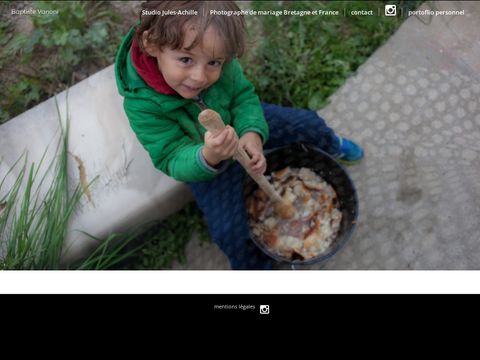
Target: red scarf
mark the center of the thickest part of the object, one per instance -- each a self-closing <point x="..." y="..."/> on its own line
<point x="147" y="68"/>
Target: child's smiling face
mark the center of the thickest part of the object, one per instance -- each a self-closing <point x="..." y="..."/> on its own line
<point x="189" y="72"/>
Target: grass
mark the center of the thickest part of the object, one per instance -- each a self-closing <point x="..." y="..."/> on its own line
<point x="162" y="243"/>
<point x="110" y="252"/>
<point x="56" y="52"/>
<point x="35" y="212"/>
<point x="33" y="226"/>
<point x="301" y="61"/>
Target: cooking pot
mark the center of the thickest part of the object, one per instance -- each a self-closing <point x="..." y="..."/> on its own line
<point x="305" y="155"/>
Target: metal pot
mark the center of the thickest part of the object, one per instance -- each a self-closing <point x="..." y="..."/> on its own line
<point x="304" y="155"/>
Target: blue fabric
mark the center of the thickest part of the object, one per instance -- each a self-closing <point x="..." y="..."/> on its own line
<point x="221" y="199"/>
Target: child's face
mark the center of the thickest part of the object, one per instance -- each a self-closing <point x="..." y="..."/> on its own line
<point x="189" y="72"/>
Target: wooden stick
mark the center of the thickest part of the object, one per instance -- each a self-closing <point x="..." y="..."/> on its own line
<point x="212" y="121"/>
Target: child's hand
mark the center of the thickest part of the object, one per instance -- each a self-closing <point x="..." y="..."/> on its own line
<point x="221" y="146"/>
<point x="252" y="143"/>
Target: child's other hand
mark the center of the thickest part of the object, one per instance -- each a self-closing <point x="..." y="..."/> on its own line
<point x="221" y="146"/>
<point x="252" y="143"/>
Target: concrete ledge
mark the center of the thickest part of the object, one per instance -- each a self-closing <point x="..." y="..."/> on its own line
<point x="128" y="191"/>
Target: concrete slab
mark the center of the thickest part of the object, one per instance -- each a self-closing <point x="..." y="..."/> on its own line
<point x="128" y="191"/>
<point x="414" y="106"/>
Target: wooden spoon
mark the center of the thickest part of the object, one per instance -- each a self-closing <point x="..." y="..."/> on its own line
<point x="212" y="121"/>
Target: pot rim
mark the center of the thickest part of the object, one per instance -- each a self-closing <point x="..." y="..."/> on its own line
<point x="337" y="243"/>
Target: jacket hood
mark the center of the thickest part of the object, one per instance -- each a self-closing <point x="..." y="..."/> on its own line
<point x="147" y="68"/>
<point x="130" y="84"/>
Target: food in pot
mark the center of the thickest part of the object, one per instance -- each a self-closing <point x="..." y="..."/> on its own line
<point x="315" y="224"/>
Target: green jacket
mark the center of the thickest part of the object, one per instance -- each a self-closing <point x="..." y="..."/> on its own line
<point x="167" y="125"/>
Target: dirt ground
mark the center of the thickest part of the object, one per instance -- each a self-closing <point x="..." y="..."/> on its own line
<point x="11" y="68"/>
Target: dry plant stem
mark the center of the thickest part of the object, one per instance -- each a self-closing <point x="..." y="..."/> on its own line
<point x="212" y="121"/>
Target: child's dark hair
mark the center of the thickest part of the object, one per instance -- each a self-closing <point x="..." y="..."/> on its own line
<point x="170" y="30"/>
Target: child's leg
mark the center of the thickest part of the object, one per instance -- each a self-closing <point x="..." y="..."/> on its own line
<point x="291" y="125"/>
<point x="221" y="201"/>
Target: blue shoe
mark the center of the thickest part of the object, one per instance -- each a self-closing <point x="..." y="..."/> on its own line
<point x="350" y="152"/>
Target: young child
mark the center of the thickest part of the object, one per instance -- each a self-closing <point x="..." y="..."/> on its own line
<point x="184" y="52"/>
